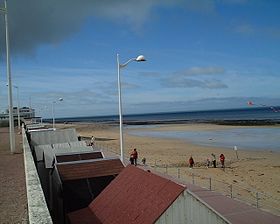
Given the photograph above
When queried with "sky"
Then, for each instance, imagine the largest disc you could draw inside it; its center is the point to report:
(201, 55)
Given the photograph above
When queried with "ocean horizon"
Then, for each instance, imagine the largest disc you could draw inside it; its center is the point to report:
(265, 114)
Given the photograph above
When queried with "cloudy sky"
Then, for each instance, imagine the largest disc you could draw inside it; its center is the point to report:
(201, 54)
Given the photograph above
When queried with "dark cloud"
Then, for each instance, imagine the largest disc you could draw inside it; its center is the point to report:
(36, 22)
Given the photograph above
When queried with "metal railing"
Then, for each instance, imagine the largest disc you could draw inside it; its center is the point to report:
(245, 194)
(248, 195)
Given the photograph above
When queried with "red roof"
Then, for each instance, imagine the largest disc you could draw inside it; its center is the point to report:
(89, 169)
(134, 196)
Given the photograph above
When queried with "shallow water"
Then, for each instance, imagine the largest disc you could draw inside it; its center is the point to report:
(256, 138)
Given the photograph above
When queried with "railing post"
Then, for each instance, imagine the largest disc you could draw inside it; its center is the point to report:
(193, 178)
(257, 198)
(166, 169)
(230, 187)
(210, 183)
(179, 174)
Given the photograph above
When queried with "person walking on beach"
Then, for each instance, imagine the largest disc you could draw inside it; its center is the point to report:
(222, 160)
(214, 160)
(191, 162)
(92, 141)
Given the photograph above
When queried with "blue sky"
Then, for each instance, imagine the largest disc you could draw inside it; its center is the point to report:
(201, 55)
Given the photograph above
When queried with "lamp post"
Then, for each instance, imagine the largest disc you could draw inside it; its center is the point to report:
(10, 96)
(41, 113)
(18, 114)
(60, 99)
(140, 58)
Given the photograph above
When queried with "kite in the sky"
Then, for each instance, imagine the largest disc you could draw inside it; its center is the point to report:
(274, 109)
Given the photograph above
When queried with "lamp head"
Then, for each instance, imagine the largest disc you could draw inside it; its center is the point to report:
(140, 58)
(60, 99)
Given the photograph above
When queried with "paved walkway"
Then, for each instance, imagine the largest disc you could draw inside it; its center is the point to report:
(13, 201)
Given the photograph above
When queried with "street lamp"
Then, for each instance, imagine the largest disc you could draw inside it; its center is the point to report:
(18, 115)
(140, 58)
(41, 113)
(59, 100)
(10, 96)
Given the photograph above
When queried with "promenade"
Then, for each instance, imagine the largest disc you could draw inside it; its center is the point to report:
(13, 201)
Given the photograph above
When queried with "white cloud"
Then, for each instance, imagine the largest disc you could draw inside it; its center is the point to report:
(181, 82)
(195, 71)
(181, 79)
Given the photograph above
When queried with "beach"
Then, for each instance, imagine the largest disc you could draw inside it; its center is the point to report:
(255, 173)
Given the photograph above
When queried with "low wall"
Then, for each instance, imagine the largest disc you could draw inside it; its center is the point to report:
(37, 207)
(4, 123)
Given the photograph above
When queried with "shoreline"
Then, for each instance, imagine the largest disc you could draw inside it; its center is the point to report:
(247, 122)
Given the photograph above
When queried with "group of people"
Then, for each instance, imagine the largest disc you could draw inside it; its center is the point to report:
(134, 156)
(208, 162)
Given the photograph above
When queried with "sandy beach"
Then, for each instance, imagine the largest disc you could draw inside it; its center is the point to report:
(254, 171)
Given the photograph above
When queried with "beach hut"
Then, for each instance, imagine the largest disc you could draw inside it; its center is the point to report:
(75, 184)
(51, 136)
(140, 196)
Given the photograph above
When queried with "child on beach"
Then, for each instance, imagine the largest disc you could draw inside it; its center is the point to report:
(144, 161)
(207, 162)
(131, 159)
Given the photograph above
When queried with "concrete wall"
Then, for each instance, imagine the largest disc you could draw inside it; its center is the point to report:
(188, 208)
(37, 208)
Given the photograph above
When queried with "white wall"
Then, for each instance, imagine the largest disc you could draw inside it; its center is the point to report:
(188, 208)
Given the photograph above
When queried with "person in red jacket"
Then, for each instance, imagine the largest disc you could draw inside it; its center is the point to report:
(222, 160)
(191, 162)
(134, 156)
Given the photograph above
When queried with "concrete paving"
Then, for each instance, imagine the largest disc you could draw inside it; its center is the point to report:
(13, 200)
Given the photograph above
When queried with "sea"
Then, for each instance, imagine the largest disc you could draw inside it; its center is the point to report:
(262, 114)
(261, 131)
